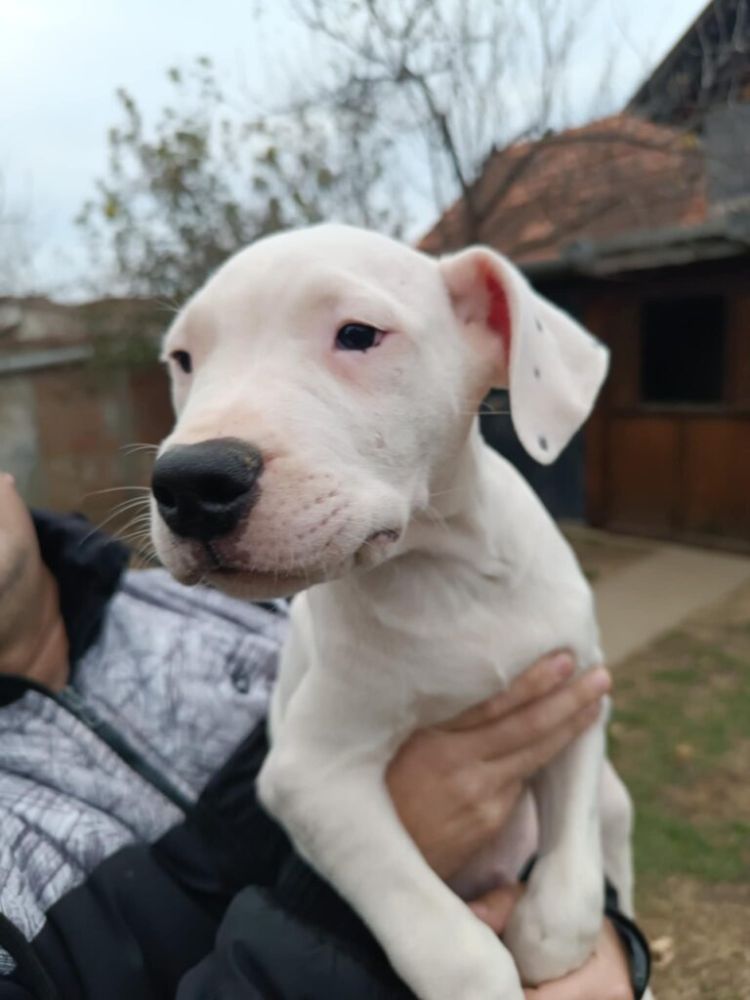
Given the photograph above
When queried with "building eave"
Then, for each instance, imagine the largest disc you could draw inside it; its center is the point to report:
(724, 237)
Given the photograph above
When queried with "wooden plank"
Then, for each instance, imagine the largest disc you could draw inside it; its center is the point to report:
(642, 481)
(716, 495)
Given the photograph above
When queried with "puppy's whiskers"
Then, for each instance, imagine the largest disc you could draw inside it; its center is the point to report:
(120, 509)
(138, 447)
(117, 489)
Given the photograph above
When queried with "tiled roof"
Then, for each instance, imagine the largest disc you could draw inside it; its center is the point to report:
(613, 176)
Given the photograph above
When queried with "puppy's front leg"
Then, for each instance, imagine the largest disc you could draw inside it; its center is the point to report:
(554, 928)
(337, 809)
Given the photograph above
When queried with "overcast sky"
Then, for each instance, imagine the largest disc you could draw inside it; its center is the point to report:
(61, 60)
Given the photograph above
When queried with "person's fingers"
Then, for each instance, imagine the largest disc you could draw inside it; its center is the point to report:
(495, 907)
(527, 727)
(581, 985)
(522, 764)
(534, 683)
(569, 988)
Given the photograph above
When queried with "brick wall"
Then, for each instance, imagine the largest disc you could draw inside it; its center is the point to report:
(65, 433)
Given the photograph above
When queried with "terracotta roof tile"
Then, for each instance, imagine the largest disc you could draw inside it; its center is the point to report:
(612, 176)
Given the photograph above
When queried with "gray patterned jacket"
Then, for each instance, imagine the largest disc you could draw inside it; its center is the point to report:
(181, 674)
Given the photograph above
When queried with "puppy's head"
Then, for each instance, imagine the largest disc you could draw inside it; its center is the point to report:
(325, 381)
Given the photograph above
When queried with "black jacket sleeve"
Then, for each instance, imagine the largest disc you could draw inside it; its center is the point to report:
(295, 941)
(263, 952)
(11, 991)
(300, 941)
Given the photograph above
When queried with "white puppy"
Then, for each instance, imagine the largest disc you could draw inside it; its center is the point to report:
(326, 383)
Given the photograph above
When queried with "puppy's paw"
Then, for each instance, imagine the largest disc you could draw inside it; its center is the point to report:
(554, 928)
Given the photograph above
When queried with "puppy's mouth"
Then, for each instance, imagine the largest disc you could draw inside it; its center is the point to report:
(218, 563)
(270, 583)
(229, 565)
(242, 580)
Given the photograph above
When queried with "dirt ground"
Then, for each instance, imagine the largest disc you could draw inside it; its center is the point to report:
(680, 736)
(681, 739)
(708, 930)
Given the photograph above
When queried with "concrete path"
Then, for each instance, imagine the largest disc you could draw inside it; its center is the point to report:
(647, 598)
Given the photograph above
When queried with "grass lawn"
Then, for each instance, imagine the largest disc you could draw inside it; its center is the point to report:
(680, 737)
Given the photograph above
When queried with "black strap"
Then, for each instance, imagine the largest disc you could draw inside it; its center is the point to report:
(636, 948)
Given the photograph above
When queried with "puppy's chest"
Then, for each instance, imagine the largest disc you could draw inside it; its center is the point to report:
(457, 638)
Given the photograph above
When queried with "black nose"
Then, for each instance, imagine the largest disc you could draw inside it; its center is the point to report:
(203, 490)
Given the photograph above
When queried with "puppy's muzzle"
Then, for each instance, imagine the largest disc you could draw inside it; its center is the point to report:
(204, 490)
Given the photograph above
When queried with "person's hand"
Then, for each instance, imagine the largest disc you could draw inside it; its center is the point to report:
(606, 975)
(8, 492)
(455, 785)
(33, 641)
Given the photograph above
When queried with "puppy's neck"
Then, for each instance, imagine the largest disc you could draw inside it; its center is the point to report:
(470, 531)
(464, 518)
(457, 485)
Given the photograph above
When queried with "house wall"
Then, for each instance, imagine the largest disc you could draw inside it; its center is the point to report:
(64, 432)
(671, 471)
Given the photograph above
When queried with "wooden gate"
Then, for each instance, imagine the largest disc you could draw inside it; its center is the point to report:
(668, 447)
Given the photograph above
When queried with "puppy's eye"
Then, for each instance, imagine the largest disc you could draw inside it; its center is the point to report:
(358, 337)
(183, 359)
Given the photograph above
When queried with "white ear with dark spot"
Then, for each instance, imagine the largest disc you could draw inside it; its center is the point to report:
(552, 367)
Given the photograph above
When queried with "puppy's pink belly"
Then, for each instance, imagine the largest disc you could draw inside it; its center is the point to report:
(501, 861)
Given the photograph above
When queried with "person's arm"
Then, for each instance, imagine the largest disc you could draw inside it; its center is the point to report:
(454, 786)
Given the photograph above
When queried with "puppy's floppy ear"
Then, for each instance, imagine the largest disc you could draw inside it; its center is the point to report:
(552, 367)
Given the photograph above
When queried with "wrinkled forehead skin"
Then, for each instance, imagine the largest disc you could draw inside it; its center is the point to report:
(329, 254)
(284, 286)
